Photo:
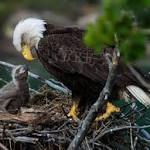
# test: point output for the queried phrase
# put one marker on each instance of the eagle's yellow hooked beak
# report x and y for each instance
(26, 52)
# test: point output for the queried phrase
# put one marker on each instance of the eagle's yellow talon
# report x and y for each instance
(109, 110)
(73, 112)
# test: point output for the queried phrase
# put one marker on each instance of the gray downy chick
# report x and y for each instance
(16, 93)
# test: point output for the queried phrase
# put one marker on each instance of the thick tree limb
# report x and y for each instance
(98, 105)
(52, 83)
(2, 147)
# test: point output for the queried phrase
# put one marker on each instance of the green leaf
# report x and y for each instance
(120, 17)
(133, 48)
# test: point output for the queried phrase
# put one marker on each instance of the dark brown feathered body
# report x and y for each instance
(65, 56)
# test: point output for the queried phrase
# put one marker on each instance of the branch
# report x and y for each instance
(131, 138)
(139, 77)
(120, 128)
(52, 83)
(25, 139)
(97, 106)
(2, 147)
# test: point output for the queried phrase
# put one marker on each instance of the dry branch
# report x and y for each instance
(121, 128)
(55, 131)
(98, 105)
(2, 147)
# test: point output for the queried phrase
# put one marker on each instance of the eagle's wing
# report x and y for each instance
(63, 50)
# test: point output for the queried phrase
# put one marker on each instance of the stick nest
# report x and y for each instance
(44, 125)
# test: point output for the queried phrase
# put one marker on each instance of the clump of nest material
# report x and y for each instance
(44, 125)
(53, 106)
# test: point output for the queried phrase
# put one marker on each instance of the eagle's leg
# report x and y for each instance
(110, 108)
(74, 111)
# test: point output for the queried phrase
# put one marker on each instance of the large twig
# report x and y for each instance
(120, 128)
(52, 83)
(2, 147)
(131, 138)
(97, 106)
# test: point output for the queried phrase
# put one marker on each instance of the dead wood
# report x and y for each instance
(47, 127)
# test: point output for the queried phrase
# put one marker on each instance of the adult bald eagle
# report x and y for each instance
(64, 55)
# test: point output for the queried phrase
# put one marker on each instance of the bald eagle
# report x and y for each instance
(63, 54)
(15, 93)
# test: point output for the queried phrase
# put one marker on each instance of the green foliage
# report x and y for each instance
(133, 47)
(121, 18)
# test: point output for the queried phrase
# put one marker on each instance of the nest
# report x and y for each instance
(44, 125)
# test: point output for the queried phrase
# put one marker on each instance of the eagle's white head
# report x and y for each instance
(27, 35)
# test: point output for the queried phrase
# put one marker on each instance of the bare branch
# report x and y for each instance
(120, 128)
(2, 147)
(97, 106)
(131, 138)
